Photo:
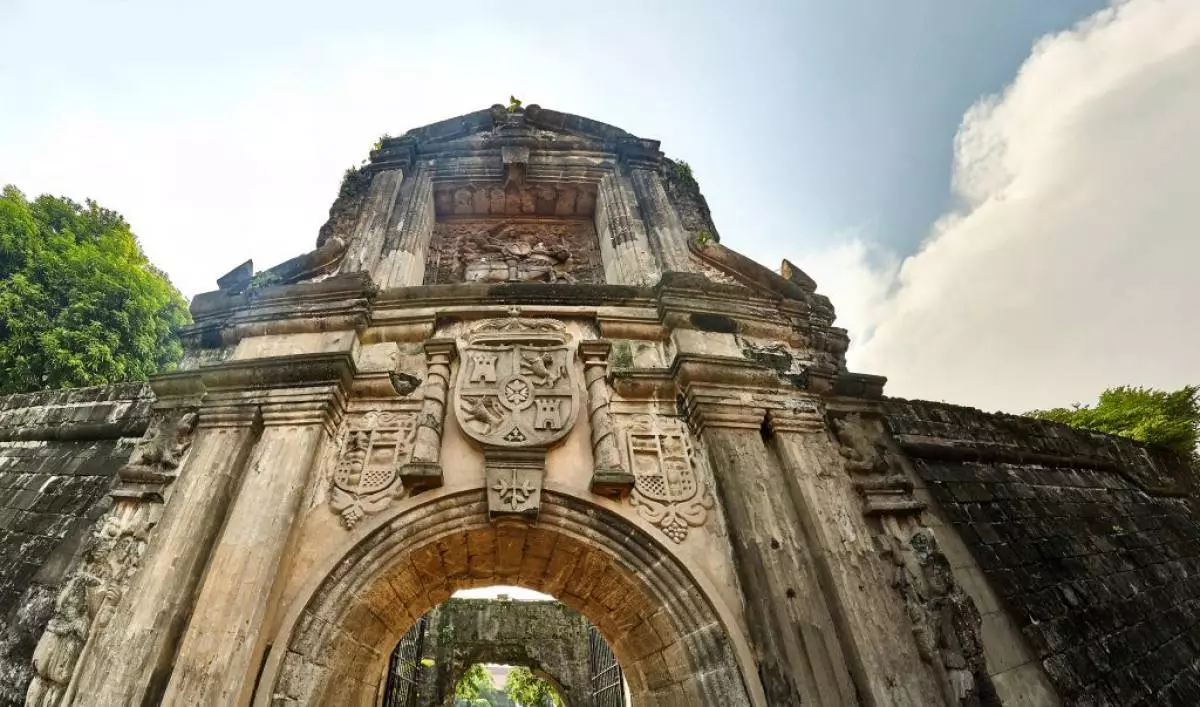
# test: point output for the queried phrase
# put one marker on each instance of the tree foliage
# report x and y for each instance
(79, 302)
(474, 681)
(529, 690)
(475, 689)
(1170, 419)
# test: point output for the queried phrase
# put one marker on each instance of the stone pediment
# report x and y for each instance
(725, 266)
(495, 127)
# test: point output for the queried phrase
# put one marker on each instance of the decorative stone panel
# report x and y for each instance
(513, 250)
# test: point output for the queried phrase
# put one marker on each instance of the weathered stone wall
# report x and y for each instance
(545, 636)
(1091, 544)
(59, 455)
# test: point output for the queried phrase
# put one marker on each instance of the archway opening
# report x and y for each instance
(658, 620)
(540, 652)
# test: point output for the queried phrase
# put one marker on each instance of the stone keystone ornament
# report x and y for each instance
(517, 394)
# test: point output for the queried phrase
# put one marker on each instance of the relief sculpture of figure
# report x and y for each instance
(499, 254)
(86, 603)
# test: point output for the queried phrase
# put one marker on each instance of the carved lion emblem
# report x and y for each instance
(517, 385)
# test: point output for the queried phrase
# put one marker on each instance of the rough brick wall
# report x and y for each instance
(59, 454)
(1092, 542)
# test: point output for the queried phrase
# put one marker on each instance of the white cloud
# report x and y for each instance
(1071, 265)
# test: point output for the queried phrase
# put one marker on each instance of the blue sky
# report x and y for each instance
(803, 120)
(820, 131)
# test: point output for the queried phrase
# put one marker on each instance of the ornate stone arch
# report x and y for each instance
(662, 622)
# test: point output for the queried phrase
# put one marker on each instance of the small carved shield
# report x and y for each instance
(668, 490)
(517, 384)
(372, 449)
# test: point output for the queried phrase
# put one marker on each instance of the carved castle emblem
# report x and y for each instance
(373, 448)
(668, 489)
(517, 386)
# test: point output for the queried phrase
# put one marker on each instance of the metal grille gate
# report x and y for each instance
(608, 688)
(404, 669)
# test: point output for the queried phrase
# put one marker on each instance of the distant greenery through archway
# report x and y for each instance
(521, 689)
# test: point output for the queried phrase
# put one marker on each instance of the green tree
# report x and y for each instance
(473, 684)
(475, 689)
(79, 302)
(529, 690)
(1170, 419)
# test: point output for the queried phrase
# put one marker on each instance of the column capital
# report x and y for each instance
(441, 348)
(805, 418)
(595, 351)
(727, 413)
(303, 389)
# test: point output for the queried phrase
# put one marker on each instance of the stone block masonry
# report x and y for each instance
(59, 456)
(1095, 555)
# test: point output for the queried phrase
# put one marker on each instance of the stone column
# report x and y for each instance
(624, 246)
(609, 476)
(402, 262)
(791, 630)
(132, 658)
(218, 657)
(873, 623)
(667, 235)
(424, 469)
(363, 250)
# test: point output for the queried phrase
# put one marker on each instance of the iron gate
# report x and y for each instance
(608, 688)
(404, 669)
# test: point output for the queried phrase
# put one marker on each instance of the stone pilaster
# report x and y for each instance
(609, 475)
(791, 630)
(366, 244)
(226, 635)
(424, 469)
(402, 262)
(130, 661)
(856, 578)
(663, 226)
(624, 245)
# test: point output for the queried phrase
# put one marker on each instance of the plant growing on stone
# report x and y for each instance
(79, 302)
(514, 104)
(1170, 419)
(683, 171)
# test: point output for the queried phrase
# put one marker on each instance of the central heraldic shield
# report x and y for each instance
(517, 384)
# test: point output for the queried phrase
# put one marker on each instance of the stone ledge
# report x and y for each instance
(77, 414)
(946, 432)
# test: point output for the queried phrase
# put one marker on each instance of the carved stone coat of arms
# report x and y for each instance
(517, 386)
(517, 393)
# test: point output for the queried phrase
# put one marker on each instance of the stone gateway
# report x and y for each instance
(519, 355)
